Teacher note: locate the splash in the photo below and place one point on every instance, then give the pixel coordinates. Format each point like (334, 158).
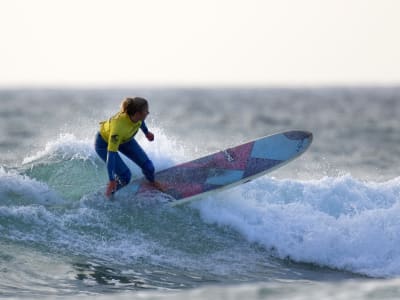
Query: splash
(338, 222)
(65, 147)
(17, 189)
(71, 166)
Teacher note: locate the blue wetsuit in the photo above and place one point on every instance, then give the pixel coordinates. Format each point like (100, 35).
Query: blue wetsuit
(117, 134)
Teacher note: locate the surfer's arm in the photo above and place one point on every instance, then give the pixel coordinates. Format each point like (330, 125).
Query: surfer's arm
(144, 128)
(111, 161)
(114, 141)
(149, 135)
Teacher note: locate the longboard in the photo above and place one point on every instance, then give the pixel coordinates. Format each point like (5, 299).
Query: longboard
(225, 169)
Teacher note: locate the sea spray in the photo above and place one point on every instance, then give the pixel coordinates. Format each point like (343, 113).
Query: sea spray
(339, 222)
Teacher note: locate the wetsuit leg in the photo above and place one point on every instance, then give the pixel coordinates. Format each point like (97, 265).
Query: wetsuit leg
(122, 171)
(133, 151)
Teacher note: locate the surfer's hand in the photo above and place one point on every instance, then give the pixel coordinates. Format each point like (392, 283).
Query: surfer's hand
(111, 187)
(150, 136)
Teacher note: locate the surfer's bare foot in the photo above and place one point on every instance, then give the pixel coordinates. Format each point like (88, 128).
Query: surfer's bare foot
(157, 185)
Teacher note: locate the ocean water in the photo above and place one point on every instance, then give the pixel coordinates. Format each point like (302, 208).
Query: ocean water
(325, 226)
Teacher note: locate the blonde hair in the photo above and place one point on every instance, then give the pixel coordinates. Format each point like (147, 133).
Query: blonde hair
(132, 105)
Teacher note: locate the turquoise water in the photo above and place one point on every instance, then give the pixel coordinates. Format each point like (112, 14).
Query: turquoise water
(324, 226)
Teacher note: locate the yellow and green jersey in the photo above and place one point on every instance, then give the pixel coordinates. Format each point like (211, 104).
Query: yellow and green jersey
(119, 129)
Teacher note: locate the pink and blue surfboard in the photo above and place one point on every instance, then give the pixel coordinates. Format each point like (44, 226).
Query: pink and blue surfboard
(227, 168)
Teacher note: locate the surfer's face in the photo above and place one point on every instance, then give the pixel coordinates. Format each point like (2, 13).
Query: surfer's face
(139, 116)
(143, 114)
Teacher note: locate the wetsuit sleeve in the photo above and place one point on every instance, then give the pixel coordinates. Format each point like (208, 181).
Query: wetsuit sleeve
(114, 141)
(144, 128)
(111, 162)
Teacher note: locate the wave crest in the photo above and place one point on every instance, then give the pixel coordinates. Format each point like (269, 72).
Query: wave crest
(339, 222)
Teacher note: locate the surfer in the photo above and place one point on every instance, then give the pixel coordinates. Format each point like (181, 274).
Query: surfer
(117, 134)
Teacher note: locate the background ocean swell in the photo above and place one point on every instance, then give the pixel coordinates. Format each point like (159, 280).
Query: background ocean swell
(356, 129)
(332, 209)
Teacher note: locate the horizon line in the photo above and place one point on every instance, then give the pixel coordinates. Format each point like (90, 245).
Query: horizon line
(105, 86)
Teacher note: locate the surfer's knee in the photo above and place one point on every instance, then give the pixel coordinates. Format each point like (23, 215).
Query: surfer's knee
(148, 170)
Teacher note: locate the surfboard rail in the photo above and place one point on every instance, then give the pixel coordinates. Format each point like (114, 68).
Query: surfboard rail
(228, 168)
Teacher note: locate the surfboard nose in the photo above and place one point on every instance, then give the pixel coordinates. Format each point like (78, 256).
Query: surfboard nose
(308, 135)
(299, 135)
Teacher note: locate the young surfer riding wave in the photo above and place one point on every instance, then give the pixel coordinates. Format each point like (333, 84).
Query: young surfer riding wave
(117, 135)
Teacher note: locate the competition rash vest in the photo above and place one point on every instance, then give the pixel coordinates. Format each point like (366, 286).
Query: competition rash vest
(119, 129)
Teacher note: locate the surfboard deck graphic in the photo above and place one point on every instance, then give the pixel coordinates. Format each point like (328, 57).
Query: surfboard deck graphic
(227, 168)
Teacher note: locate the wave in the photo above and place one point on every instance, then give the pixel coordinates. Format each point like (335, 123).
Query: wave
(71, 166)
(341, 222)
(56, 200)
(17, 189)
(67, 165)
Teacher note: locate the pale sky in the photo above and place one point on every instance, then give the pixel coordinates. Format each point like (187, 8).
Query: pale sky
(202, 42)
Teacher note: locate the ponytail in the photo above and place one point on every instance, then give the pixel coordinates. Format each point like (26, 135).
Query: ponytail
(132, 105)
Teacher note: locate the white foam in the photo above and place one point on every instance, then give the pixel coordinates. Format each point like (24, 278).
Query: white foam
(337, 222)
(164, 151)
(114, 244)
(66, 146)
(20, 189)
